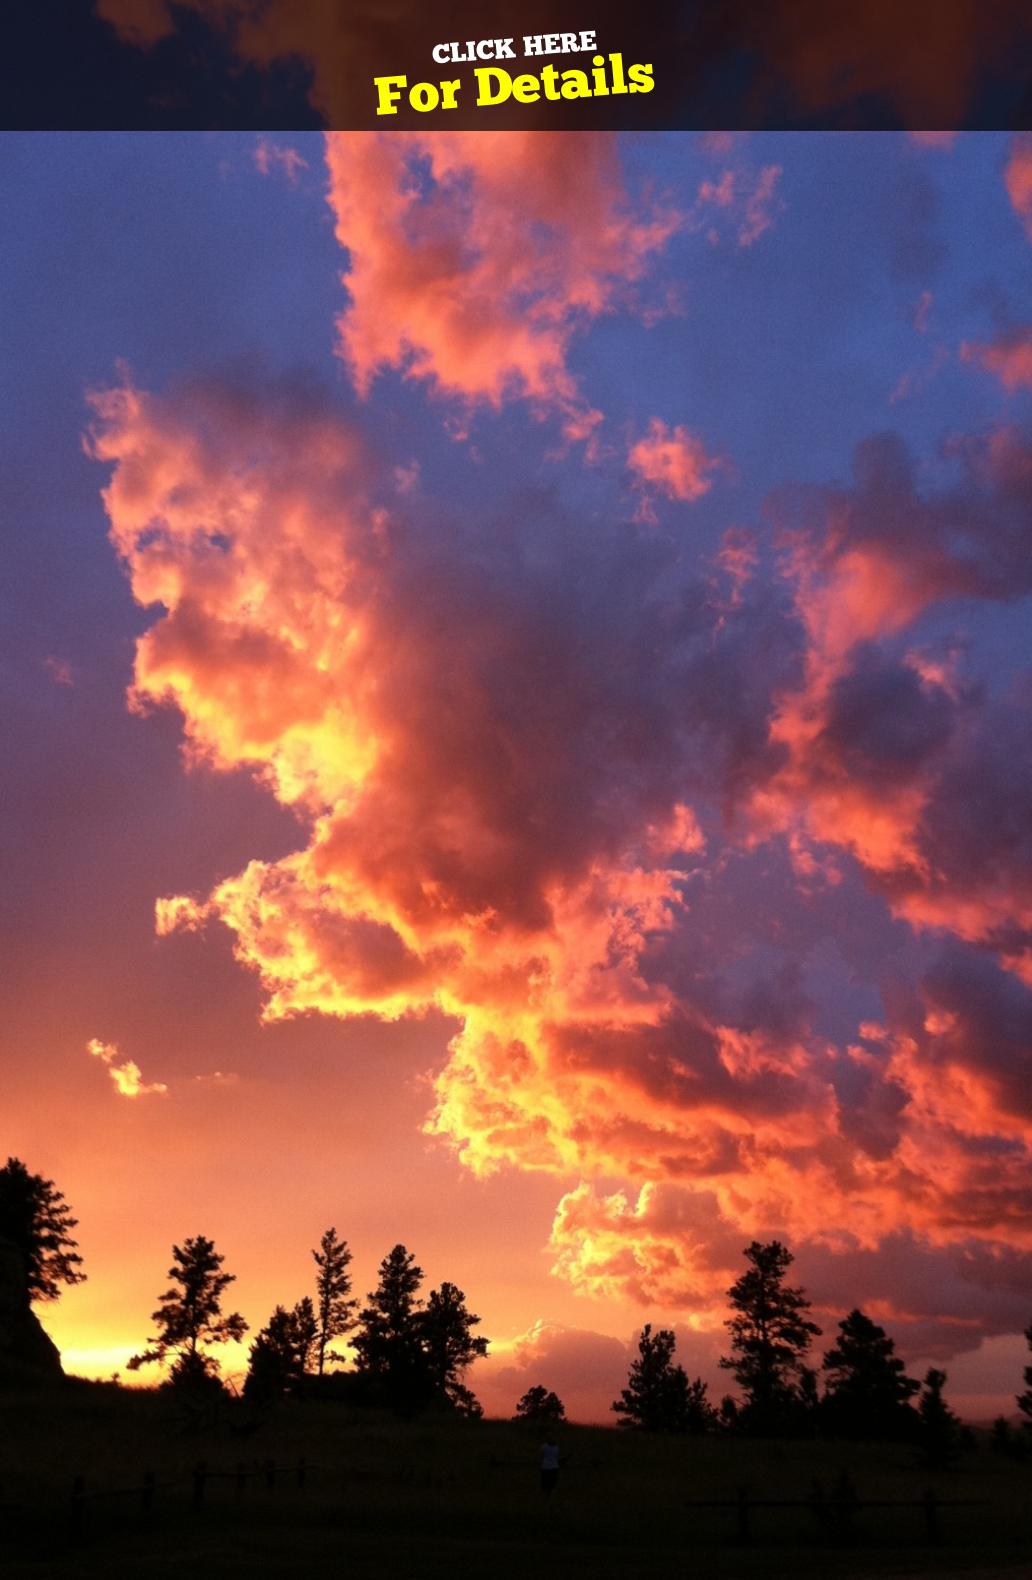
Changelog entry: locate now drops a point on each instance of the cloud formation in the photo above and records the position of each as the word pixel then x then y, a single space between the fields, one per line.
pixel 534 775
pixel 1018 178
pixel 126 1075
pixel 673 461
pixel 452 282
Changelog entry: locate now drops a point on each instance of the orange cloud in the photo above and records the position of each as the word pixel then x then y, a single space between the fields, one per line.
pixel 125 1073
pixel 878 752
pixel 497 819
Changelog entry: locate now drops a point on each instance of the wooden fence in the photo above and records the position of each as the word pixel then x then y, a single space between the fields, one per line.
pixel 833 1514
pixel 146 1494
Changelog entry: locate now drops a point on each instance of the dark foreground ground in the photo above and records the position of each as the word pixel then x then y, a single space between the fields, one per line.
pixel 431 1499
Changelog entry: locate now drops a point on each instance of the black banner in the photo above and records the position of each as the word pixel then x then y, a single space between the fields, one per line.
pixel 526 64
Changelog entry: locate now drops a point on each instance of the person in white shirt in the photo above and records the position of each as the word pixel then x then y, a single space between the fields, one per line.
pixel 549 1466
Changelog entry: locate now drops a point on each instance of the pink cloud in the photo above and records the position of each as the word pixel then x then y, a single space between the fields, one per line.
pixel 673 461
pixel 1018 178
pixel 270 156
pixel 740 200
pixel 1008 357
pixel 475 257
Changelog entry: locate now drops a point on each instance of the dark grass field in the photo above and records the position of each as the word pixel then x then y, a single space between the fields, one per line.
pixel 439 1497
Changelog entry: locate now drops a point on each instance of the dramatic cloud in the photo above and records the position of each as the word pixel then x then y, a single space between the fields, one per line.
pixel 886 754
pixel 475 257
pixel 531 770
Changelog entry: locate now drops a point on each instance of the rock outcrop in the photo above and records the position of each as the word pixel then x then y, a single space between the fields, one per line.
pixel 27 1354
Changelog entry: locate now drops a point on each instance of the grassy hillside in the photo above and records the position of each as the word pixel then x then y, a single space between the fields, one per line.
pixel 440 1497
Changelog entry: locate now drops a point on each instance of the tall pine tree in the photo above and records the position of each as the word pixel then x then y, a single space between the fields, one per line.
pixel 658 1396
pixel 940 1430
pixel 449 1345
pixel 1024 1400
pixel 770 1335
pixel 387 1344
pixel 189 1317
pixel 37 1220
pixel 867 1391
pixel 334 1307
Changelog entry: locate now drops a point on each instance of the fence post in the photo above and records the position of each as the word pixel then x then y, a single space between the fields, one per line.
pixel 931 1514
pixel 75 1510
pixel 270 1475
pixel 744 1531
pixel 200 1477
pixel 241 1479
pixel 302 1471
pixel 147 1492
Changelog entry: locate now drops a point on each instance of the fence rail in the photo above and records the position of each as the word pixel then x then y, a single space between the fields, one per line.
pixel 145 1491
pixel 833 1511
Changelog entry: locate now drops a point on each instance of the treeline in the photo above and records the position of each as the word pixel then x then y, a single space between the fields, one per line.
pixel 409 1352
pixel 866 1393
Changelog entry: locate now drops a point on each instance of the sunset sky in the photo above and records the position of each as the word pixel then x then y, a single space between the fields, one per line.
pixel 517 690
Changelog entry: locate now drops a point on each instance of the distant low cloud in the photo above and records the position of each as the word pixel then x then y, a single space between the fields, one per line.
pixel 126 1075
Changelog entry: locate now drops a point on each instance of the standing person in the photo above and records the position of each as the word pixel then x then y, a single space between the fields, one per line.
pixel 549 1465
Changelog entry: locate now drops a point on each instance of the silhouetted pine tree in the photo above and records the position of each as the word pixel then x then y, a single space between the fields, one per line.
pixel 449 1346
pixel 940 1430
pixel 280 1353
pixel 387 1344
pixel 189 1316
pixel 770 1335
pixel 658 1396
pixel 1024 1400
pixel 37 1220
pixel 334 1307
pixel 867 1393
pixel 542 1405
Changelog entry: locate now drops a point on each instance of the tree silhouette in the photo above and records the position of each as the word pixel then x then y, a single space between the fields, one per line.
pixel 940 1429
pixel 448 1344
pixel 282 1352
pixel 540 1404
pixel 387 1343
pixel 37 1220
pixel 189 1315
pixel 409 1353
pixel 770 1334
pixel 1024 1400
pixel 334 1307
pixel 867 1391
pixel 658 1396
